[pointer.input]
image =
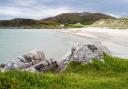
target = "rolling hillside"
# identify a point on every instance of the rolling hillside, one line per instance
(53, 22)
(21, 22)
(84, 18)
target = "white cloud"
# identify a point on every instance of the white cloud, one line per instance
(36, 12)
(39, 9)
(114, 15)
(24, 2)
(9, 11)
(31, 9)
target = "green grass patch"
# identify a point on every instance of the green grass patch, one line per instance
(112, 74)
(78, 25)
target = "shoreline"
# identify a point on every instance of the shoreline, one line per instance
(113, 39)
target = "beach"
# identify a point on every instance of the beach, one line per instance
(115, 40)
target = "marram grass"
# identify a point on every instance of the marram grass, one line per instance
(113, 74)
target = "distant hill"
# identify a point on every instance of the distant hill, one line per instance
(52, 22)
(84, 18)
(19, 22)
(112, 23)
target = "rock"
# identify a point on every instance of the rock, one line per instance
(38, 55)
(84, 54)
(2, 65)
(45, 65)
(36, 61)
(25, 61)
(92, 47)
(34, 56)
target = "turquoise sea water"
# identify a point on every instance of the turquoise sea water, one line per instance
(16, 42)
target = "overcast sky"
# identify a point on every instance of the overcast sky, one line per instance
(38, 9)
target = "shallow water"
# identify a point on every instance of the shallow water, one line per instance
(16, 42)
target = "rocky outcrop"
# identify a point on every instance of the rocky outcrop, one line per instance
(36, 61)
(44, 66)
(84, 54)
(25, 61)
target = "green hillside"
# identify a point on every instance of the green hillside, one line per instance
(67, 19)
(84, 18)
(113, 74)
(27, 23)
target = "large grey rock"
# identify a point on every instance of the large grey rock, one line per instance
(36, 61)
(45, 65)
(25, 61)
(83, 54)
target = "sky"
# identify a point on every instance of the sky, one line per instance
(39, 9)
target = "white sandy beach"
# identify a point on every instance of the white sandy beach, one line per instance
(114, 39)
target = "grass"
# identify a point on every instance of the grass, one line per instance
(120, 23)
(73, 25)
(113, 74)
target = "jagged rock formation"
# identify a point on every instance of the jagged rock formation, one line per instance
(25, 61)
(84, 54)
(36, 61)
(44, 66)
